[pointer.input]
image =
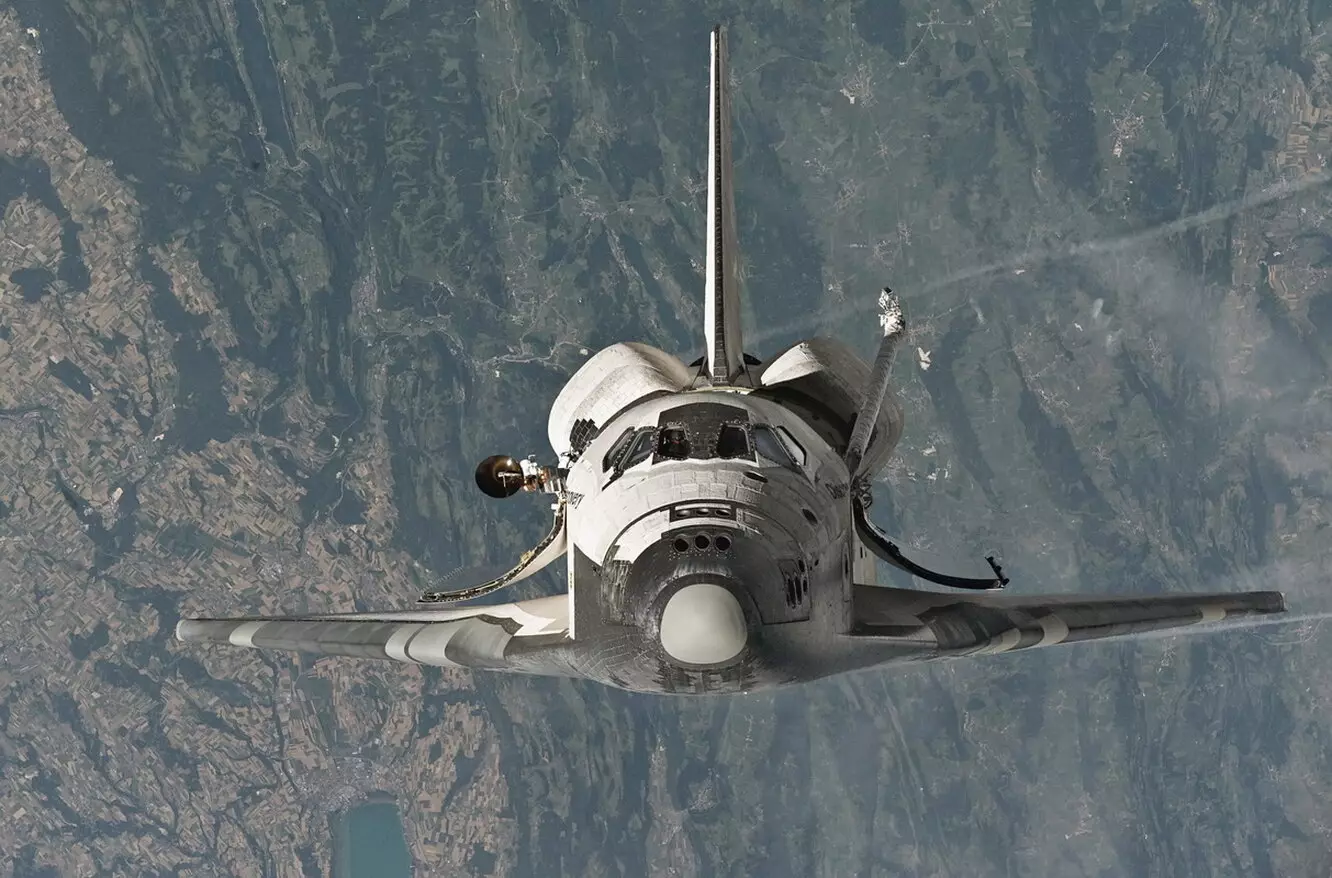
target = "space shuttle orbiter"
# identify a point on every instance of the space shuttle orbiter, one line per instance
(713, 522)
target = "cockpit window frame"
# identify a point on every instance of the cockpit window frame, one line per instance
(777, 450)
(617, 450)
(793, 446)
(644, 444)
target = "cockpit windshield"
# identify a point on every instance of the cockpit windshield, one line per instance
(673, 444)
(768, 444)
(641, 448)
(732, 442)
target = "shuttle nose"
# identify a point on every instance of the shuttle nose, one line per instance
(702, 624)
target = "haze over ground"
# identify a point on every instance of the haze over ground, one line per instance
(274, 276)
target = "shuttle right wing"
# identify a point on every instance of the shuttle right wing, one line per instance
(946, 625)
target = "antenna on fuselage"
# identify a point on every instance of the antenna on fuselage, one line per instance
(501, 476)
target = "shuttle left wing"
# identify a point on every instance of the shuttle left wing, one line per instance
(525, 637)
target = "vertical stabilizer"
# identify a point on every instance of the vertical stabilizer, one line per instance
(725, 347)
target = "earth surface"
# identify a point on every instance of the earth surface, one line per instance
(274, 275)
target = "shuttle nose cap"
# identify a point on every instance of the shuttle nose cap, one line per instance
(703, 624)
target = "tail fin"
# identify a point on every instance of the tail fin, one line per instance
(725, 346)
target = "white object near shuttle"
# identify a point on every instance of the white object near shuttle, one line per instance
(713, 521)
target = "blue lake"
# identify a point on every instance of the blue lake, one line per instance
(370, 843)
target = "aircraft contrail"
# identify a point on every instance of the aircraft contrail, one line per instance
(1277, 192)
(1217, 213)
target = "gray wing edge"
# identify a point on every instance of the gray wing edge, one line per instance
(525, 637)
(945, 625)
